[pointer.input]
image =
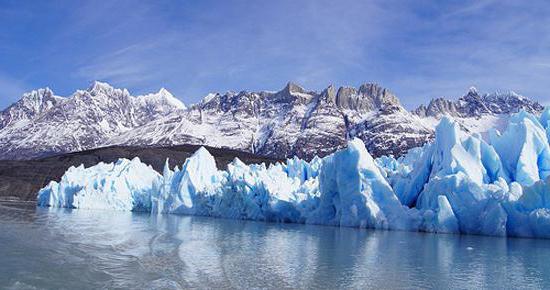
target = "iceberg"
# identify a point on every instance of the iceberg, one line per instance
(459, 183)
(354, 192)
(451, 153)
(524, 149)
(124, 185)
(344, 189)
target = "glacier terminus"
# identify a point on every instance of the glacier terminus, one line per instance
(458, 183)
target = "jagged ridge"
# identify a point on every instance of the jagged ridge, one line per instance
(292, 121)
(474, 104)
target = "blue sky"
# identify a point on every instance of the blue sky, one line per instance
(418, 49)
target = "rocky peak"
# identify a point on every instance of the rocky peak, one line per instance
(510, 102)
(293, 121)
(30, 105)
(329, 95)
(164, 93)
(214, 101)
(293, 88)
(474, 104)
(346, 93)
(164, 98)
(98, 87)
(38, 100)
(367, 98)
(380, 96)
(472, 96)
(243, 102)
(348, 98)
(38, 94)
(438, 107)
(292, 93)
(103, 89)
(209, 97)
(420, 110)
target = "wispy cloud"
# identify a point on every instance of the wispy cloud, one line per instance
(419, 49)
(130, 66)
(468, 8)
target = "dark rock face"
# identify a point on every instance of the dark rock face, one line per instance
(369, 97)
(475, 105)
(292, 121)
(391, 132)
(438, 107)
(323, 129)
(22, 179)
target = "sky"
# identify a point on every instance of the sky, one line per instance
(418, 49)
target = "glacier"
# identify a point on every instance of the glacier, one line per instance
(123, 185)
(459, 183)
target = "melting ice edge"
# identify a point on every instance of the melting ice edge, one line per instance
(459, 183)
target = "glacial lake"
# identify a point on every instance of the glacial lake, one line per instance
(84, 249)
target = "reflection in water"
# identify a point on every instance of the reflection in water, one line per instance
(51, 248)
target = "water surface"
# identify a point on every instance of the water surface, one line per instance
(85, 249)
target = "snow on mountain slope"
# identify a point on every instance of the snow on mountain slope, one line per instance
(477, 113)
(228, 120)
(309, 125)
(163, 100)
(29, 106)
(82, 121)
(292, 121)
(393, 131)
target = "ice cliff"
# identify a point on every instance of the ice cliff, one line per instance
(459, 183)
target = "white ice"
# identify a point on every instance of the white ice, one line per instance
(459, 183)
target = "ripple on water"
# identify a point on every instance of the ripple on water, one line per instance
(79, 249)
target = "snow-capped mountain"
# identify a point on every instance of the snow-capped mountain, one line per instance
(29, 106)
(474, 104)
(292, 121)
(477, 113)
(82, 121)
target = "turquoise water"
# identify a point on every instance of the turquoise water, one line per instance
(83, 249)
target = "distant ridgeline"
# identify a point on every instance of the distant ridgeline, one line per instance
(291, 122)
(458, 183)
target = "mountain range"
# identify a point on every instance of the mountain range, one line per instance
(291, 122)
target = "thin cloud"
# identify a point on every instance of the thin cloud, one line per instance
(476, 6)
(418, 49)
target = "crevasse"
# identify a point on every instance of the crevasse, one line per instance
(459, 183)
